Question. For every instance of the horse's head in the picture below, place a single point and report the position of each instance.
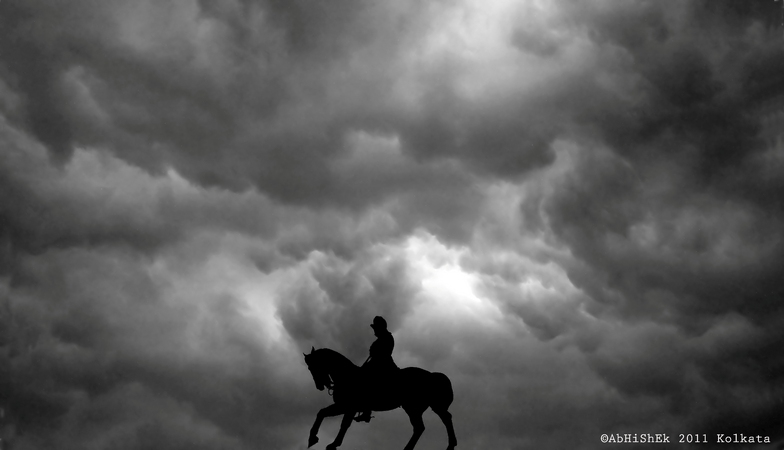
(318, 370)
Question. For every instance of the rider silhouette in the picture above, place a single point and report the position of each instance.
(379, 363)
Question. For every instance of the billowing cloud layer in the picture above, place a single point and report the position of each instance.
(573, 209)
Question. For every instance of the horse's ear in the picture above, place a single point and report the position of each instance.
(312, 349)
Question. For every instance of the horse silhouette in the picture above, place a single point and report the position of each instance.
(411, 388)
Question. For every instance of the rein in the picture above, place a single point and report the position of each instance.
(330, 386)
(334, 364)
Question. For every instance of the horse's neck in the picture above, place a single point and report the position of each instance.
(340, 366)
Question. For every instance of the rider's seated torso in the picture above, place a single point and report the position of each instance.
(378, 372)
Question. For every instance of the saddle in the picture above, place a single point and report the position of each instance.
(378, 386)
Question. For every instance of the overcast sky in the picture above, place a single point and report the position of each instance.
(569, 207)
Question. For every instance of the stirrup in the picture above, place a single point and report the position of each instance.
(363, 417)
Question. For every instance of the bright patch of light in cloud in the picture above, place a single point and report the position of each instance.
(447, 289)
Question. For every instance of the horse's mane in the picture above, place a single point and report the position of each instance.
(328, 352)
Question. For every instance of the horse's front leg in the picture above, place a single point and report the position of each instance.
(329, 411)
(344, 424)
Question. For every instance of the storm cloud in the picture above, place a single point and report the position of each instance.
(573, 209)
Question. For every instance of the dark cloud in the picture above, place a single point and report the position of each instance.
(229, 104)
(115, 360)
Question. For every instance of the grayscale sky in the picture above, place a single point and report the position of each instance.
(571, 207)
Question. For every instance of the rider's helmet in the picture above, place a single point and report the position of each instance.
(379, 323)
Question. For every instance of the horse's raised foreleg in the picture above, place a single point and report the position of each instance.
(344, 424)
(446, 417)
(329, 411)
(419, 428)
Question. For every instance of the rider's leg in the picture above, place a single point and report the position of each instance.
(369, 388)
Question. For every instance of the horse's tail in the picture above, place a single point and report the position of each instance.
(442, 392)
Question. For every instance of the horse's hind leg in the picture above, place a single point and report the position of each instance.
(440, 401)
(329, 411)
(446, 417)
(419, 427)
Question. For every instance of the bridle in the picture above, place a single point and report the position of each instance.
(322, 378)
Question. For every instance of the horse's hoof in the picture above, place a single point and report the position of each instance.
(332, 447)
(312, 441)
